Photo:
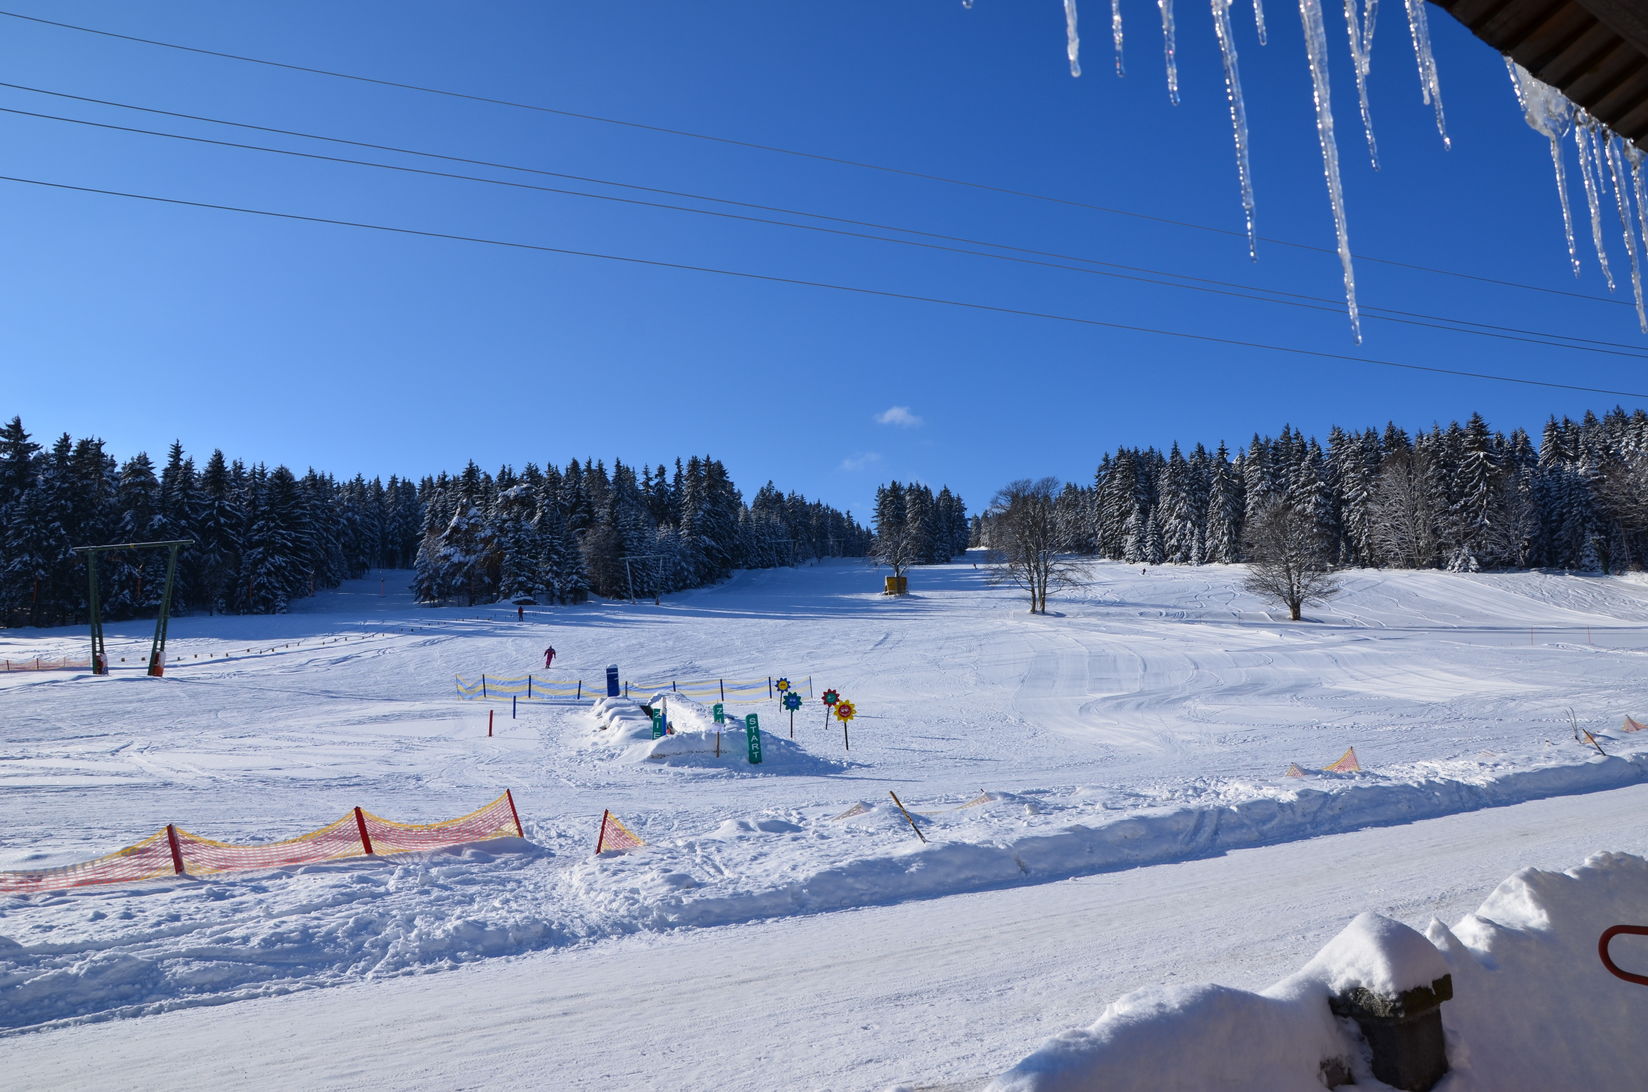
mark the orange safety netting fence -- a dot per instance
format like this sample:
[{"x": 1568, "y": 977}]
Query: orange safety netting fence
[
  {"x": 41, "y": 663},
  {"x": 176, "y": 852},
  {"x": 615, "y": 835}
]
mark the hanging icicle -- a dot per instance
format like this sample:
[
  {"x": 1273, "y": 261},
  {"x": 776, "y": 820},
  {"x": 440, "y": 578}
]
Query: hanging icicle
[
  {"x": 1170, "y": 48},
  {"x": 1072, "y": 43},
  {"x": 1316, "y": 49},
  {"x": 1361, "y": 60},
  {"x": 1634, "y": 156},
  {"x": 1430, "y": 88},
  {"x": 1549, "y": 113},
  {"x": 1588, "y": 173},
  {"x": 1238, "y": 116},
  {"x": 1622, "y": 201},
  {"x": 1259, "y": 20},
  {"x": 1116, "y": 33}
]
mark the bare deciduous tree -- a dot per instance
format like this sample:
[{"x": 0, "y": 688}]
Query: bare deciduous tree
[
  {"x": 1021, "y": 532},
  {"x": 1287, "y": 558},
  {"x": 1404, "y": 515}
]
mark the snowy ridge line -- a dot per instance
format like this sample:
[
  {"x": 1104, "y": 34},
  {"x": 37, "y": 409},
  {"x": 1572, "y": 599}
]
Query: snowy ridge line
[
  {"x": 359, "y": 833},
  {"x": 1138, "y": 839}
]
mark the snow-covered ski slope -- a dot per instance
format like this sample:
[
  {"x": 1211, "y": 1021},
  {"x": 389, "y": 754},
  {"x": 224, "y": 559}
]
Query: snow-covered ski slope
[{"x": 1149, "y": 721}]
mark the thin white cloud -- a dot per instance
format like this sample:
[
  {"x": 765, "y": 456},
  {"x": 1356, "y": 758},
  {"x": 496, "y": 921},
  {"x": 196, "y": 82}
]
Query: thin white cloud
[
  {"x": 900, "y": 416},
  {"x": 861, "y": 461}
]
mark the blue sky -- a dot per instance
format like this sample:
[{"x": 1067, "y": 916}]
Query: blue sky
[{"x": 362, "y": 351}]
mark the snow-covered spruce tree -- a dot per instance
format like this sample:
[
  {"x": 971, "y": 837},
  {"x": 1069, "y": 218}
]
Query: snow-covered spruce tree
[
  {"x": 951, "y": 512},
  {"x": 1353, "y": 460},
  {"x": 1177, "y": 516},
  {"x": 133, "y": 580},
  {"x": 1225, "y": 508},
  {"x": 918, "y": 524},
  {"x": 23, "y": 563},
  {"x": 520, "y": 549},
  {"x": 1073, "y": 512},
  {"x": 276, "y": 543},
  {"x": 894, "y": 546},
  {"x": 217, "y": 534}
]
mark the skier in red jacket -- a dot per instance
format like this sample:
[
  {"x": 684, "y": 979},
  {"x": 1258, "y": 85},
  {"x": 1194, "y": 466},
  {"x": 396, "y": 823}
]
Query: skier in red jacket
[{"x": 549, "y": 654}]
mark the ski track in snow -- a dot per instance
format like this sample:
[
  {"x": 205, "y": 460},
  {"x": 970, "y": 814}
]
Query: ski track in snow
[{"x": 1149, "y": 721}]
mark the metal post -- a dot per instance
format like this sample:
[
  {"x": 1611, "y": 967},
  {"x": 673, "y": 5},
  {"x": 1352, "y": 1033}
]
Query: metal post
[
  {"x": 157, "y": 651},
  {"x": 100, "y": 655}
]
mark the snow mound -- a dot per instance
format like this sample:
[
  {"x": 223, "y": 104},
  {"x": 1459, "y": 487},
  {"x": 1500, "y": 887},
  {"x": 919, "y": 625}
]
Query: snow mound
[
  {"x": 1525, "y": 962},
  {"x": 694, "y": 739}
]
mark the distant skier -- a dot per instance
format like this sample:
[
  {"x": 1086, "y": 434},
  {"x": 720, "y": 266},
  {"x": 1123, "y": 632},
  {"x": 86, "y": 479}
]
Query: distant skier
[
  {"x": 549, "y": 655},
  {"x": 520, "y": 614}
]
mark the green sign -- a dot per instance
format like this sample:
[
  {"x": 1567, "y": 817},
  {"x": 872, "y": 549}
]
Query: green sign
[
  {"x": 752, "y": 729},
  {"x": 657, "y": 723},
  {"x": 720, "y": 712}
]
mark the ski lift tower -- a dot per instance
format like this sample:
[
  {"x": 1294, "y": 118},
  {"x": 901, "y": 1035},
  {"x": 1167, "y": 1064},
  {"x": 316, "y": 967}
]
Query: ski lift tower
[
  {"x": 657, "y": 575},
  {"x": 157, "y": 651}
]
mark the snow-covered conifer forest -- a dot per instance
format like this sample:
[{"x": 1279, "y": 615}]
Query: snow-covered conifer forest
[
  {"x": 264, "y": 536},
  {"x": 1458, "y": 497},
  {"x": 1462, "y": 497}
]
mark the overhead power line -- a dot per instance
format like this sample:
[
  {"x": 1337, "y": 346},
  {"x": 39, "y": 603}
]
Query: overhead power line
[
  {"x": 797, "y": 153},
  {"x": 1116, "y": 270},
  {"x": 854, "y": 289}
]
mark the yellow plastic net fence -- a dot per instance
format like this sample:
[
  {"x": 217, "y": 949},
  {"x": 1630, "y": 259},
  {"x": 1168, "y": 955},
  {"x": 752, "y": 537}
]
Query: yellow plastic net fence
[{"x": 176, "y": 852}]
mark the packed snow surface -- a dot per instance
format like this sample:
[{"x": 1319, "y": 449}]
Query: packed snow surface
[{"x": 1148, "y": 721}]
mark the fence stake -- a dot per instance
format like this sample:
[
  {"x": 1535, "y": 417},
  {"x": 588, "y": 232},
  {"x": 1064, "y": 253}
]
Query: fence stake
[
  {"x": 365, "y": 838},
  {"x": 769, "y": 687},
  {"x": 580, "y": 689},
  {"x": 177, "y": 850},
  {"x": 512, "y": 707},
  {"x": 489, "y": 713},
  {"x": 529, "y": 688},
  {"x": 483, "y": 685},
  {"x": 723, "y": 683},
  {"x": 907, "y": 818},
  {"x": 602, "y": 837},
  {"x": 513, "y": 813}
]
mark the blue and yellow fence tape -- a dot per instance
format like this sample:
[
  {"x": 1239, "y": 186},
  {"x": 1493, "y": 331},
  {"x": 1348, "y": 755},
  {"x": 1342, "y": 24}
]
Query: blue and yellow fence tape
[{"x": 533, "y": 688}]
